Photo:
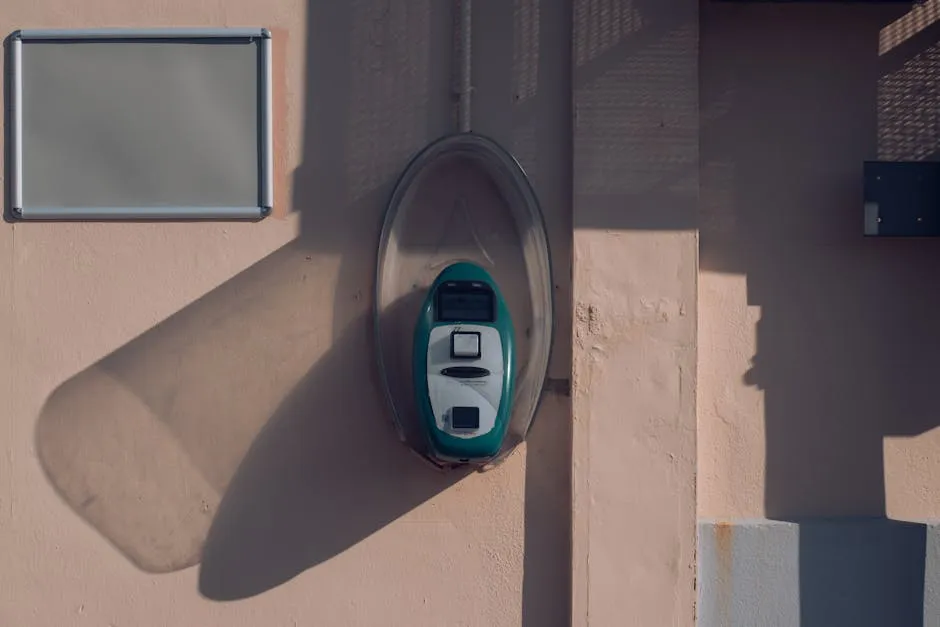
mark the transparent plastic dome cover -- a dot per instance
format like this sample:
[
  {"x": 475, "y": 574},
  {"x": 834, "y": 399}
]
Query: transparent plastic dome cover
[{"x": 463, "y": 198}]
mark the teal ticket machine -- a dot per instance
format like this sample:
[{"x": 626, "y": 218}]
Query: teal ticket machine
[{"x": 463, "y": 365}]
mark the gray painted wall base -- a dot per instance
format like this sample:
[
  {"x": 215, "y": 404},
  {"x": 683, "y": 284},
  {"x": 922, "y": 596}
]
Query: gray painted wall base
[{"x": 815, "y": 573}]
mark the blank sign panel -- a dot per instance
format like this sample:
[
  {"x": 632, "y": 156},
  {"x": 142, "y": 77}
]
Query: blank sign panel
[{"x": 125, "y": 124}]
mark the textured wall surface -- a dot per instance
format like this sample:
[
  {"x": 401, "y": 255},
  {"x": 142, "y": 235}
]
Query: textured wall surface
[
  {"x": 189, "y": 414},
  {"x": 635, "y": 263}
]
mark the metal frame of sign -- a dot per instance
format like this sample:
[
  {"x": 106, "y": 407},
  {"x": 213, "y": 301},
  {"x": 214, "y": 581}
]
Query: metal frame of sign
[{"x": 266, "y": 169}]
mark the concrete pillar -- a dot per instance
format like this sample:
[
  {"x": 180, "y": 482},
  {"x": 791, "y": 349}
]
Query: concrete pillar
[{"x": 635, "y": 251}]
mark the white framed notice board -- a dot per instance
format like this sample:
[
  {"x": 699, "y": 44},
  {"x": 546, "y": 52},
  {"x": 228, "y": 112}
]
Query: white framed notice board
[{"x": 124, "y": 124}]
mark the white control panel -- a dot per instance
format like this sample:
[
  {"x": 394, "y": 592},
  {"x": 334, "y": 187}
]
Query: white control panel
[{"x": 458, "y": 357}]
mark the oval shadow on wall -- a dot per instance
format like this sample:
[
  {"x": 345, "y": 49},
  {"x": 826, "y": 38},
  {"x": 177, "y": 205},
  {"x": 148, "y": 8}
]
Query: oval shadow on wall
[
  {"x": 234, "y": 396},
  {"x": 246, "y": 431}
]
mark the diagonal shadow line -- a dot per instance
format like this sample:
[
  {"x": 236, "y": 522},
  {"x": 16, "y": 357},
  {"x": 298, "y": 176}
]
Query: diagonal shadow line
[{"x": 896, "y": 58}]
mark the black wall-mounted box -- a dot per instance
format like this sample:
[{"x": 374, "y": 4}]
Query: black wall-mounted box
[{"x": 902, "y": 199}]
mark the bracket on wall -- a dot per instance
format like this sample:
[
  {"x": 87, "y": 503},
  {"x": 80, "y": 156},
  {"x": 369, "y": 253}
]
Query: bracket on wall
[{"x": 902, "y": 198}]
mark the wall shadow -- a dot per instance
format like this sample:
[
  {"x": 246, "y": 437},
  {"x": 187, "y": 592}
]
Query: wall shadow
[
  {"x": 526, "y": 105},
  {"x": 794, "y": 99},
  {"x": 319, "y": 477},
  {"x": 634, "y": 85},
  {"x": 168, "y": 444},
  {"x": 246, "y": 432},
  {"x": 869, "y": 573}
]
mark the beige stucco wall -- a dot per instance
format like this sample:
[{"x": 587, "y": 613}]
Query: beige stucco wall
[
  {"x": 140, "y": 362},
  {"x": 817, "y": 360},
  {"x": 635, "y": 266},
  {"x": 178, "y": 446}
]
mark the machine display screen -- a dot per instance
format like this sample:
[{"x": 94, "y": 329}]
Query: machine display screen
[{"x": 463, "y": 305}]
